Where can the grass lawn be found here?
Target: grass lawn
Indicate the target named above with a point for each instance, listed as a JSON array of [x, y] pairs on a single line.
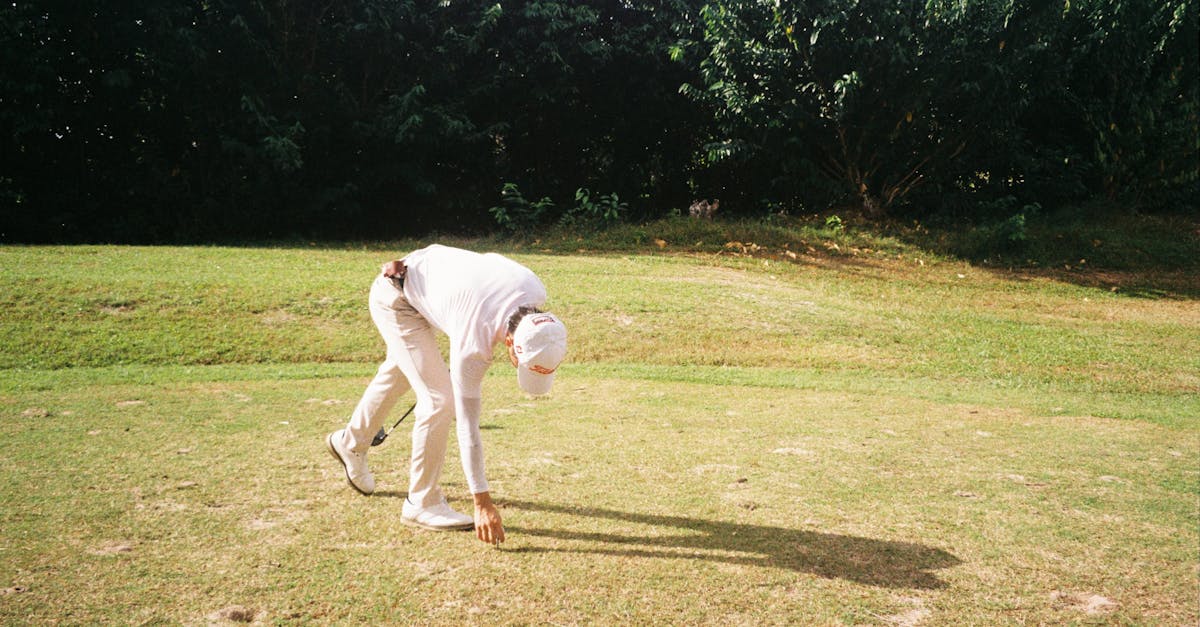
[[886, 438]]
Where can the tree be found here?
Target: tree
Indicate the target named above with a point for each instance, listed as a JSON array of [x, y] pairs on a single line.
[[880, 100], [223, 120]]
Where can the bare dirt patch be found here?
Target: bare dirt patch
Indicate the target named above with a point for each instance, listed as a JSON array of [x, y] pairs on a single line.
[[234, 614], [118, 309], [911, 618], [278, 317], [327, 402], [259, 524], [1090, 604], [113, 548]]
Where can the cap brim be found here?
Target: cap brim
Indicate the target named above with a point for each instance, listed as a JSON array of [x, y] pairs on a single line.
[[532, 382]]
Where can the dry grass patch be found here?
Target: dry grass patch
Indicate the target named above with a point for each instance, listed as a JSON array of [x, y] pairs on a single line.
[[733, 441], [626, 500]]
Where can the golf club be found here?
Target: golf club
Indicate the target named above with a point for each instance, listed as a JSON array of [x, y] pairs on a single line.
[[382, 435]]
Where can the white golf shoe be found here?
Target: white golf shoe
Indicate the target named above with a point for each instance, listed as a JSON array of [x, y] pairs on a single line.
[[357, 473], [439, 517]]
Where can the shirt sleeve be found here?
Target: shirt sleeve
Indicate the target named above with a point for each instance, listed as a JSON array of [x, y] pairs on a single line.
[[470, 443], [468, 407]]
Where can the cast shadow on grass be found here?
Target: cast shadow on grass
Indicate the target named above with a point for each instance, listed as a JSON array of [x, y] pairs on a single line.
[[882, 563]]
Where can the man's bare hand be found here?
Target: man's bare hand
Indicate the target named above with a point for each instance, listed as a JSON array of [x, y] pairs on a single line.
[[488, 527], [393, 269]]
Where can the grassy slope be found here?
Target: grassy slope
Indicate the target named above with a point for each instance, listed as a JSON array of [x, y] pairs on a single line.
[[835, 439], [928, 327]]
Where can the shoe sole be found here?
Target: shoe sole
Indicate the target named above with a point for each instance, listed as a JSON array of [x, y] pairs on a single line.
[[345, 468], [420, 525]]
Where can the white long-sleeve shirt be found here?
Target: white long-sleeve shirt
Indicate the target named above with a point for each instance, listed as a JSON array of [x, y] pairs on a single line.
[[469, 296]]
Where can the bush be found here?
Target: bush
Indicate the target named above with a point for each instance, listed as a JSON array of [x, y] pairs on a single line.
[[594, 212], [515, 214]]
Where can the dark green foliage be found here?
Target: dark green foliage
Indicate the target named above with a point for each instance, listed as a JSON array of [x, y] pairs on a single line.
[[186, 121], [226, 120], [1097, 235], [517, 215], [1006, 235], [951, 103], [595, 211]]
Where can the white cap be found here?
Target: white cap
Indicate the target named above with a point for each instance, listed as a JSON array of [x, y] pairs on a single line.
[[540, 343]]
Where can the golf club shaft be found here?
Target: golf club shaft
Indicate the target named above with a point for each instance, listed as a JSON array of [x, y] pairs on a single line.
[[382, 435]]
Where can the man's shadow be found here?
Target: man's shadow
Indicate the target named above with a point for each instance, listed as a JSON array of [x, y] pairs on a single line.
[[867, 561]]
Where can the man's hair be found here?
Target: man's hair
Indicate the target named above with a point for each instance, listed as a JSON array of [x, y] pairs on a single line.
[[518, 315]]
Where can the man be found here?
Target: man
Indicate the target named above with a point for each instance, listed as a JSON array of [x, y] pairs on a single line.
[[477, 300]]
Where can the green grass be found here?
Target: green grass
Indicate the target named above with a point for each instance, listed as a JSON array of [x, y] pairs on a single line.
[[860, 433]]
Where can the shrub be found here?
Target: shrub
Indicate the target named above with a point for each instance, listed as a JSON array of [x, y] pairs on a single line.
[[515, 214]]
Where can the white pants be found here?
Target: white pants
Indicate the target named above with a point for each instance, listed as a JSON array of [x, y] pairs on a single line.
[[415, 362]]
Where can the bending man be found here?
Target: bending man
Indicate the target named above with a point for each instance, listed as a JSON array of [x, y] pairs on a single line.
[[477, 300]]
